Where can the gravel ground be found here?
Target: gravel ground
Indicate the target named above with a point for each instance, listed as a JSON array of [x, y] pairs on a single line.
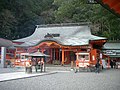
[[22, 69], [105, 80], [10, 70]]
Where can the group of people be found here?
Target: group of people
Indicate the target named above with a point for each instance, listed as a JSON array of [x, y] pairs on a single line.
[[113, 64], [36, 62]]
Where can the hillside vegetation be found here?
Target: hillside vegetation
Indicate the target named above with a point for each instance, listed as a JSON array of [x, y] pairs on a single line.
[[19, 17]]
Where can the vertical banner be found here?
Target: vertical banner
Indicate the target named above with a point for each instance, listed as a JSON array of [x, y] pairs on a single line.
[[3, 57]]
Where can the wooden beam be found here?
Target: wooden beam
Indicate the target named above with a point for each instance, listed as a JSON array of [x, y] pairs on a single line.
[[118, 11], [63, 56], [114, 3], [105, 1], [106, 4], [116, 7]]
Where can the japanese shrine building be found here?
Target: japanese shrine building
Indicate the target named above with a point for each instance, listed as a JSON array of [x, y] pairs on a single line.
[[61, 42], [112, 49]]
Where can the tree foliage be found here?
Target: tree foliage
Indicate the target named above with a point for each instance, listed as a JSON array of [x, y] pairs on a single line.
[[19, 17], [80, 11]]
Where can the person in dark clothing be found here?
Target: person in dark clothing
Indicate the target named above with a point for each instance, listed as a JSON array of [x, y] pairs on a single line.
[[97, 66], [114, 64], [111, 64]]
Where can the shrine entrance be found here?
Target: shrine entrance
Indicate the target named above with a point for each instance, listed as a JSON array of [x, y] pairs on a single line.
[[59, 54]]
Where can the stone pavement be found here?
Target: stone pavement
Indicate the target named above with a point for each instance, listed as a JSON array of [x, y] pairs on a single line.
[[105, 80], [7, 74], [20, 75]]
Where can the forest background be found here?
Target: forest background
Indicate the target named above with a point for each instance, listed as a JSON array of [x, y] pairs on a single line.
[[18, 18]]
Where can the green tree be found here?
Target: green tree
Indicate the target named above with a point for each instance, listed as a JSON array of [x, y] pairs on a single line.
[[7, 23], [80, 11], [19, 17]]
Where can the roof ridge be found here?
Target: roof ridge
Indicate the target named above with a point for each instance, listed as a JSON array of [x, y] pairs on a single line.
[[64, 24]]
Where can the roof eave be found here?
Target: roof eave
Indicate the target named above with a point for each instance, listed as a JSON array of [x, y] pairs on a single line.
[[108, 8]]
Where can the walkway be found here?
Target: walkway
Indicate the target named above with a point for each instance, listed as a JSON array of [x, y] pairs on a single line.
[[7, 74]]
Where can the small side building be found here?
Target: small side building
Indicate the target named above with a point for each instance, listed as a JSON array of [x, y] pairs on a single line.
[[112, 49]]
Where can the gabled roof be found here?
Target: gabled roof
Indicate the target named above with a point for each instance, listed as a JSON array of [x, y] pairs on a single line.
[[112, 45], [72, 35]]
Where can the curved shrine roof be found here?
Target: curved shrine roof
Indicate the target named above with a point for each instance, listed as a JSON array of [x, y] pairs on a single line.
[[65, 35]]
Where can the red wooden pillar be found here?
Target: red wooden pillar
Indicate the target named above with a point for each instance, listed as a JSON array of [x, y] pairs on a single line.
[[108, 65], [57, 54], [54, 54], [42, 50], [68, 56], [63, 56], [15, 53], [93, 56], [51, 55]]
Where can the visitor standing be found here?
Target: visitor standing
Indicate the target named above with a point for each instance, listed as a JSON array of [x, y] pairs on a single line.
[[111, 63], [97, 66], [114, 64]]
